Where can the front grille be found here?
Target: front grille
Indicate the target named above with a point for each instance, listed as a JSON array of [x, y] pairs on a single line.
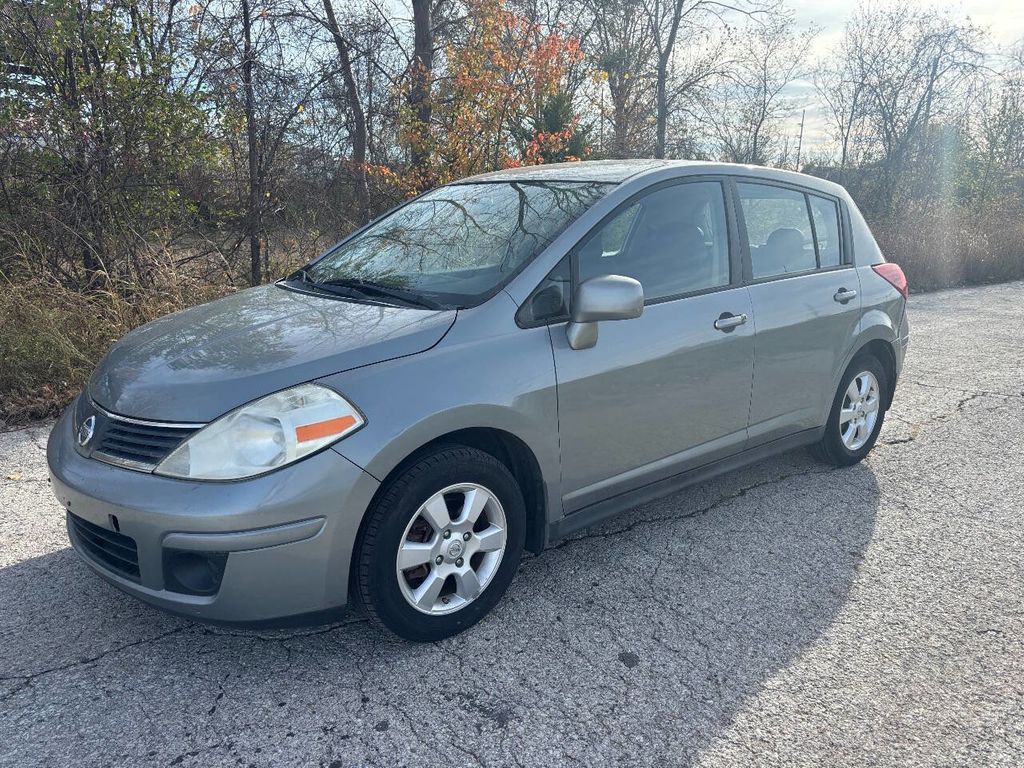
[[145, 445], [109, 548], [127, 442]]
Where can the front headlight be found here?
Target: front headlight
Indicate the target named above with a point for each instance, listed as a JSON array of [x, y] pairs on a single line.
[[264, 435]]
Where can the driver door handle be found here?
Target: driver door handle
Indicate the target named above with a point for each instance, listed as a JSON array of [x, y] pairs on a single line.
[[843, 295], [727, 321]]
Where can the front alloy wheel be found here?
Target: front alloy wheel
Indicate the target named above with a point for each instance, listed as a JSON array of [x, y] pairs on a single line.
[[440, 544], [451, 549]]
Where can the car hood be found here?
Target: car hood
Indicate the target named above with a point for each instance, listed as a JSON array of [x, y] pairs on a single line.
[[197, 364]]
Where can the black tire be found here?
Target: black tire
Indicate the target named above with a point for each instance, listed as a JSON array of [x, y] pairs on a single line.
[[831, 448], [375, 578]]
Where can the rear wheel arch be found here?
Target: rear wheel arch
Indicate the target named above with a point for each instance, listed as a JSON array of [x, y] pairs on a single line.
[[884, 353]]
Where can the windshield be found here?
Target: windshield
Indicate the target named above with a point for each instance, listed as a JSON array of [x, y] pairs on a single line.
[[456, 245]]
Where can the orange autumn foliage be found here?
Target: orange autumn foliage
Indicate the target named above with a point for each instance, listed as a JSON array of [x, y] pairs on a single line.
[[485, 108]]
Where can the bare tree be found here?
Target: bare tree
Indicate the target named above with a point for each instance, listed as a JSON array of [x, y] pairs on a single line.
[[355, 106], [911, 64], [745, 108], [842, 93], [421, 75], [695, 20], [1001, 125], [621, 47], [254, 209], [263, 53]]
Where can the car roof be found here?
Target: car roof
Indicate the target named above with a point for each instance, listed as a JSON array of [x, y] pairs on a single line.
[[618, 171], [615, 171]]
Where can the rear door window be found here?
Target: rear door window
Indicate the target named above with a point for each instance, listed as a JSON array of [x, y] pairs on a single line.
[[779, 230]]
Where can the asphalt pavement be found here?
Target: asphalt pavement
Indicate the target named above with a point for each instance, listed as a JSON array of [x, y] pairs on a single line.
[[786, 614]]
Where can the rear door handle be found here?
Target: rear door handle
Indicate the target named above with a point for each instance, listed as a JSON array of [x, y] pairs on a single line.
[[843, 295], [727, 321]]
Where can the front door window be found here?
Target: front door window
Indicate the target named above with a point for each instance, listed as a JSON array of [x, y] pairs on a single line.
[[673, 240]]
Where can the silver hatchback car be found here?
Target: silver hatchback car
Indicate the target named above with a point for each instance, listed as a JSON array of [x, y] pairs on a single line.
[[397, 421]]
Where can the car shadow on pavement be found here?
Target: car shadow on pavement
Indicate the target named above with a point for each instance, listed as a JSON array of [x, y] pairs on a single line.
[[638, 640]]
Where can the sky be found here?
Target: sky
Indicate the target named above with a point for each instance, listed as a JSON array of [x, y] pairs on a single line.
[[1004, 20]]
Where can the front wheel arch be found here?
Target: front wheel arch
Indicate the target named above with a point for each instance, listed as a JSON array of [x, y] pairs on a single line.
[[512, 452], [373, 582]]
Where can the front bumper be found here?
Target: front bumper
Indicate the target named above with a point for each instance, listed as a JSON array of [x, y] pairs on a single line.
[[288, 536]]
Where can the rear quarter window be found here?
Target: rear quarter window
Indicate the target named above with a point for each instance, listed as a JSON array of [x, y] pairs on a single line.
[[825, 213]]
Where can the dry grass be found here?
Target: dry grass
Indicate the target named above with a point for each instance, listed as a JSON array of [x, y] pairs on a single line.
[[945, 247], [51, 337]]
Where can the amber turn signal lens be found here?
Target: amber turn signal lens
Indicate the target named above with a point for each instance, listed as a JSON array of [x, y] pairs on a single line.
[[323, 428]]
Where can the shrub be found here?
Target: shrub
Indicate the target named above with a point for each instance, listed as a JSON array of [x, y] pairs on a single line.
[[944, 246]]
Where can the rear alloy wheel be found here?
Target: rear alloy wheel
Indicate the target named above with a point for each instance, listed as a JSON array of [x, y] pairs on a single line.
[[858, 411], [440, 544]]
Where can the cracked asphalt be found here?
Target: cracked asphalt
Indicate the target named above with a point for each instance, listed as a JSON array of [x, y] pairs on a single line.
[[787, 614]]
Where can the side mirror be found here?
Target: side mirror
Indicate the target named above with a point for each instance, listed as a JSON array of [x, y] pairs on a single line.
[[608, 297]]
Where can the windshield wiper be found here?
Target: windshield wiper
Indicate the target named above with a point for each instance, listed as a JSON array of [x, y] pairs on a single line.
[[299, 275], [354, 287], [371, 289]]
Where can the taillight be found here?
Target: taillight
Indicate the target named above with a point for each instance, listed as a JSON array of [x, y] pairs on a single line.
[[894, 276]]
